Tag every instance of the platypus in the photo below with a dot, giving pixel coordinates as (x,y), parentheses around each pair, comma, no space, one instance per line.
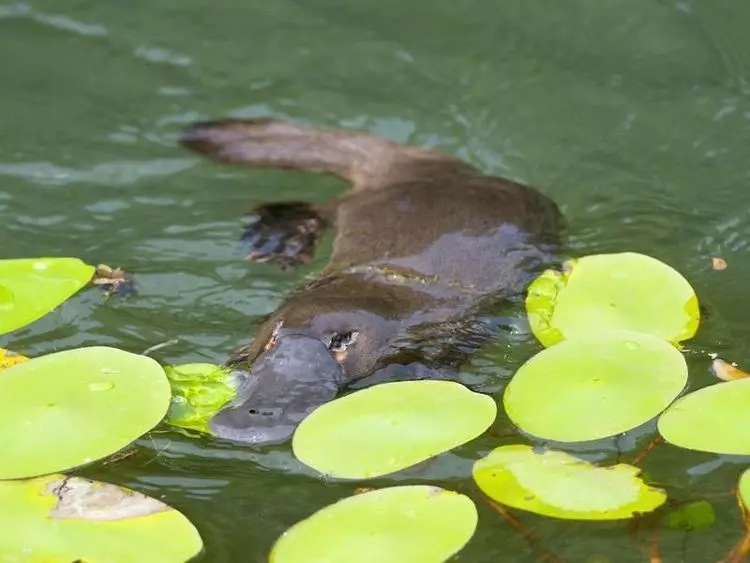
(425,244)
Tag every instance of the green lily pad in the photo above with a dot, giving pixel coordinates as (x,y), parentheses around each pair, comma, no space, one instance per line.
(391,426)
(31,288)
(594,387)
(624,291)
(414,524)
(198,392)
(70,408)
(59,519)
(556,484)
(713,419)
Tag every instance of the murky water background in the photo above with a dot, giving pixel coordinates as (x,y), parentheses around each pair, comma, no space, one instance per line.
(633,115)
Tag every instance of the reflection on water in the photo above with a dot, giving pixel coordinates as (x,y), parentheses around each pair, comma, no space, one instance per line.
(634,116)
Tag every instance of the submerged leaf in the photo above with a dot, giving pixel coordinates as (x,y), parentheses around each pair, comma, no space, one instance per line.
(413,524)
(198,392)
(31,288)
(9,359)
(70,408)
(556,484)
(59,519)
(594,387)
(691,517)
(713,419)
(624,291)
(391,426)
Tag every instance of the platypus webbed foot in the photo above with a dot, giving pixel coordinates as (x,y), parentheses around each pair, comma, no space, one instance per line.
(284,233)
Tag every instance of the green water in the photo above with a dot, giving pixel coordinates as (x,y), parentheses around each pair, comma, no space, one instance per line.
(633,115)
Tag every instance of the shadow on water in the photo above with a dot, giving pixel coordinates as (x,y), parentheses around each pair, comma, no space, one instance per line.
(634,116)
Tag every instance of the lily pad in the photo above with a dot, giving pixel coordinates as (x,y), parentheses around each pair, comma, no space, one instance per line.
(9,359)
(713,419)
(31,288)
(391,426)
(594,387)
(198,392)
(414,524)
(556,484)
(624,291)
(70,408)
(59,519)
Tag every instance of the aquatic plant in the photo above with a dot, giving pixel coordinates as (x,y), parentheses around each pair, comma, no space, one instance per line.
(410,524)
(67,409)
(611,325)
(389,427)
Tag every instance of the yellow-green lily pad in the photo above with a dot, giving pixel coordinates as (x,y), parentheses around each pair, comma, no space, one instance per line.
(713,419)
(70,408)
(31,287)
(413,524)
(60,519)
(198,392)
(623,291)
(594,387)
(391,426)
(556,484)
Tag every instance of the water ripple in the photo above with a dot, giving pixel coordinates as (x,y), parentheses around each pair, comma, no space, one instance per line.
(121,173)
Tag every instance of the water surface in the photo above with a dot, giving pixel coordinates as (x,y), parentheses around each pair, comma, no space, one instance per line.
(634,116)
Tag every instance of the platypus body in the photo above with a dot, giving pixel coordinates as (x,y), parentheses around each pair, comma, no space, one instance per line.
(425,245)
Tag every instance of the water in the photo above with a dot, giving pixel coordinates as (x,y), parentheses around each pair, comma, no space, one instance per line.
(634,116)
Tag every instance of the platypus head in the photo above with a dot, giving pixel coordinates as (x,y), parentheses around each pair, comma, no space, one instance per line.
(321,338)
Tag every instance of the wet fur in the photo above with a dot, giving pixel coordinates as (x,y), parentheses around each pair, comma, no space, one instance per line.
(425,243)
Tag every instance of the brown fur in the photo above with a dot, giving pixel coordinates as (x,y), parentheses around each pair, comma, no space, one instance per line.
(424,244)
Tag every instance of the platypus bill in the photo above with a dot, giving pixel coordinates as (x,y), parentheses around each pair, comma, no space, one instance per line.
(425,244)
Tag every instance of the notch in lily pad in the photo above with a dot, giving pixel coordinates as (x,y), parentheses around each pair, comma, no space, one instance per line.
(32,287)
(556,484)
(411,524)
(595,386)
(70,408)
(622,291)
(59,519)
(391,426)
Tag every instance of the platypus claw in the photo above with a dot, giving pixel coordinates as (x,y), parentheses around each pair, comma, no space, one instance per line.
(284,234)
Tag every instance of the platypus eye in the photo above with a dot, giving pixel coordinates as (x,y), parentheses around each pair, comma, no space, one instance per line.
(339,341)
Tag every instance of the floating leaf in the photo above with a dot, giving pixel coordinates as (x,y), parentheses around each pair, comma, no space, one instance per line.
(198,392)
(414,524)
(719,264)
(391,426)
(70,408)
(589,388)
(9,359)
(625,291)
(727,371)
(59,519)
(691,517)
(559,485)
(713,419)
(31,288)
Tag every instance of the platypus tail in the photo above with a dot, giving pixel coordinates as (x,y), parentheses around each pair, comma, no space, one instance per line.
(362,159)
